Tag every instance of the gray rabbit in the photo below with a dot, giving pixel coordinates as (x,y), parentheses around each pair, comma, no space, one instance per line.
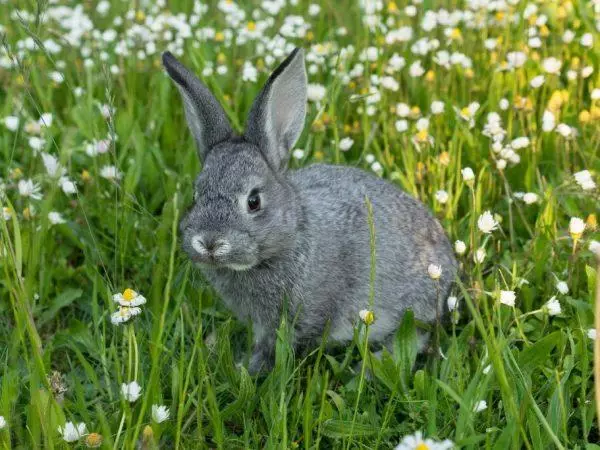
(264,235)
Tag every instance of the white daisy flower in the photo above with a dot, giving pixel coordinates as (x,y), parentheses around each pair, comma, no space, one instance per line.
(71,432)
(486,223)
(131,391)
(160,413)
(460,247)
(442,196)
(55,218)
(481,405)
(508,298)
(562,287)
(418,442)
(553,306)
(434,271)
(576,227)
(346,144)
(315,92)
(124,313)
(479,255)
(27,188)
(452,303)
(129,298)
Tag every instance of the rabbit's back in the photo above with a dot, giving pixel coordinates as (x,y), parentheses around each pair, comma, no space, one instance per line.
(335,240)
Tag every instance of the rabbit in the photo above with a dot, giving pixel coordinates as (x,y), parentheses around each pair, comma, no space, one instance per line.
(268,238)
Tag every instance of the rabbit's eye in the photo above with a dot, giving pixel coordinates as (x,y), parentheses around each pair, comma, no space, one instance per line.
(254,201)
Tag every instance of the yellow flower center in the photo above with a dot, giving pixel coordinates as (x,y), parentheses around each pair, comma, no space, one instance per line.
(465,112)
(140,16)
(93,440)
(455,33)
(129,295)
(422,446)
(219,36)
(422,135)
(392,7)
(251,26)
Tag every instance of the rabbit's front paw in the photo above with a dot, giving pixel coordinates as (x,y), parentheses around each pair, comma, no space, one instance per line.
(260,362)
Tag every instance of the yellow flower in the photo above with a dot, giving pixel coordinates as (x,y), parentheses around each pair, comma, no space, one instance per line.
(251,26)
(140,16)
(591,222)
(93,440)
(16,173)
(219,36)
(455,34)
(392,7)
(585,116)
(85,175)
(430,76)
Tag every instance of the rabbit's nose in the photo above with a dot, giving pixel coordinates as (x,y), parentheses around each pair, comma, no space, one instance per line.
(210,245)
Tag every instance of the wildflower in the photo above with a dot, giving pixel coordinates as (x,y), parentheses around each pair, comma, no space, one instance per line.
(52,166)
(71,432)
(503,104)
(594,247)
(417,442)
(591,223)
(298,153)
(129,298)
(36,143)
(6,213)
(507,298)
(377,168)
(442,196)
(390,83)
(160,413)
(460,247)
(468,176)
(486,223)
(591,333)
(93,440)
(434,271)
(520,142)
(346,144)
(124,313)
(2,422)
(416,69)
(548,121)
(27,188)
(468,113)
(479,255)
(552,65)
(315,92)
(552,307)
(530,198)
(576,227)
(481,405)
(452,303)
(131,391)
(437,107)
(402,110)
(562,287)
(587,40)
(537,81)
(584,180)
(55,218)
(366,316)
(110,173)
(67,185)
(11,122)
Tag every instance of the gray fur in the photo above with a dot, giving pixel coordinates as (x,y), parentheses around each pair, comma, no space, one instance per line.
(309,243)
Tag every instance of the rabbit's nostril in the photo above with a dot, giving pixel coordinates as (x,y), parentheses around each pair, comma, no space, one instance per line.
(210,245)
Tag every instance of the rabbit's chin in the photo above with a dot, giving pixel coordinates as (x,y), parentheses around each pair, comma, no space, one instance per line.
(237,266)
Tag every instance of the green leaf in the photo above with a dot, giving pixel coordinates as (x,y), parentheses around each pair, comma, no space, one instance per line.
(60,301)
(343,428)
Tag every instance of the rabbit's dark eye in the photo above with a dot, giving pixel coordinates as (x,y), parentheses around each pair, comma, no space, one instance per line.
(254,201)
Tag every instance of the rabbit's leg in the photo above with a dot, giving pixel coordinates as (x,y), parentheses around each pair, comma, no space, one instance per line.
(263,354)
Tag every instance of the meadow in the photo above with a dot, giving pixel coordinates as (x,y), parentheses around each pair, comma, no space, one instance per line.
(486,111)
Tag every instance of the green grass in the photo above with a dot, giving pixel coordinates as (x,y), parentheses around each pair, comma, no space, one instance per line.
(63,360)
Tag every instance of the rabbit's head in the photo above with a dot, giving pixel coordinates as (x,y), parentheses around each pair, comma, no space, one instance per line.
(244,209)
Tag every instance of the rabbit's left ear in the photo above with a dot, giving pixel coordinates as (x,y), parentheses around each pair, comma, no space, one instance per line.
(276,118)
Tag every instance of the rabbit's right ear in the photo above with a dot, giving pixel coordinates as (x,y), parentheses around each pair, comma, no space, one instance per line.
(205,116)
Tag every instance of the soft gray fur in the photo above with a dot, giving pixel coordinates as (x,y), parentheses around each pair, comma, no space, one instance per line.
(308,244)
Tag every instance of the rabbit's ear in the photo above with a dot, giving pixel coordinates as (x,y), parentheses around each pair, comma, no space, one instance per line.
(277,116)
(205,116)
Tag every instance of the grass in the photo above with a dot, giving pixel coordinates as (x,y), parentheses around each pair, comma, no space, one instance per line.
(62,358)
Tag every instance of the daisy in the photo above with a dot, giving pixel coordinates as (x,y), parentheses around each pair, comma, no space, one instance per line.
(442,196)
(160,413)
(486,223)
(346,144)
(434,271)
(460,247)
(27,188)
(366,316)
(552,65)
(131,391)
(11,123)
(124,313)
(507,298)
(129,298)
(552,307)
(479,255)
(481,405)
(468,175)
(452,303)
(55,218)
(417,442)
(315,92)
(576,227)
(110,173)
(71,432)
